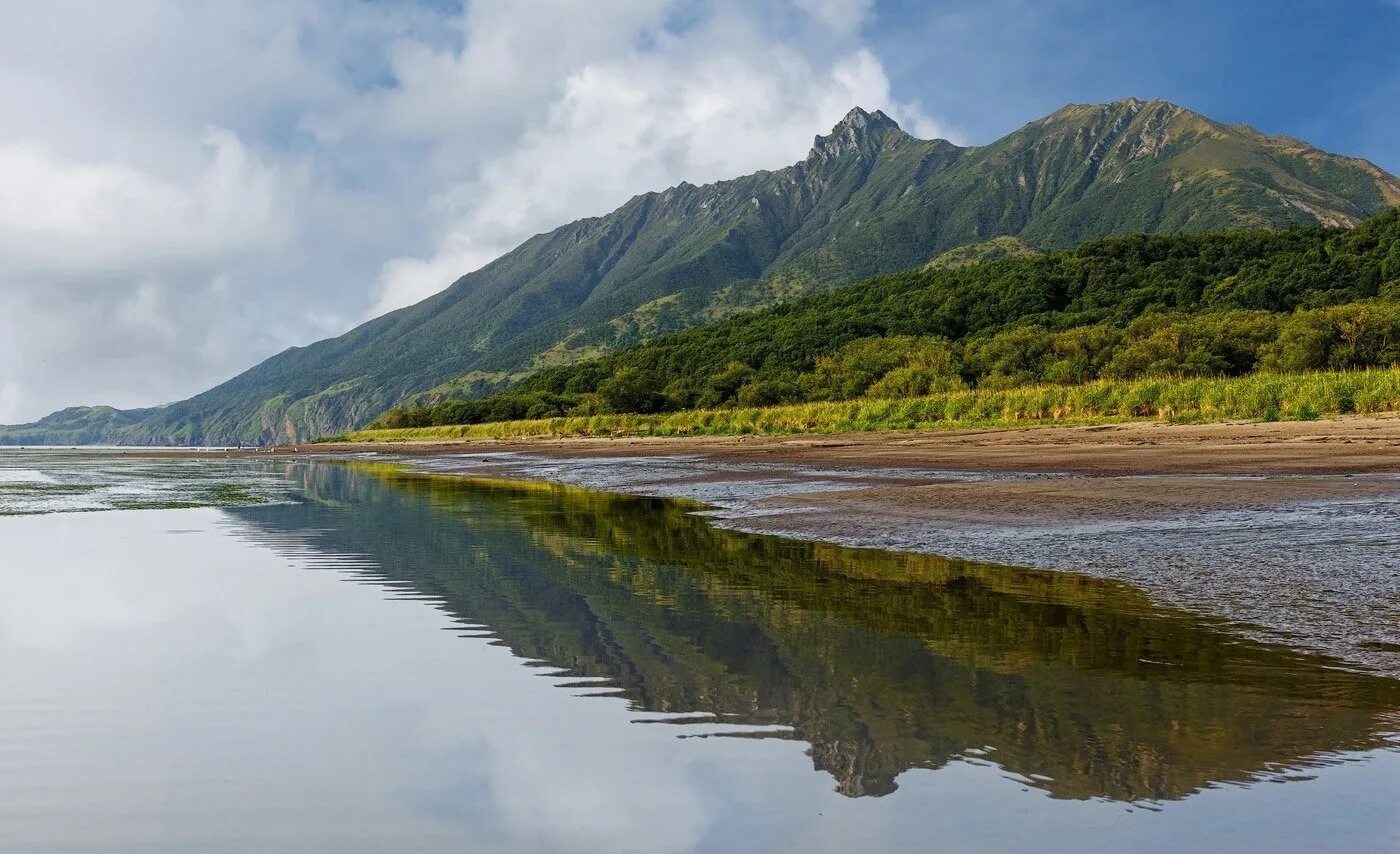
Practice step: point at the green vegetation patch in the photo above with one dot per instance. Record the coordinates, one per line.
(1214, 305)
(1267, 397)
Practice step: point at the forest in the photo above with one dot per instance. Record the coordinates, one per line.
(1220, 304)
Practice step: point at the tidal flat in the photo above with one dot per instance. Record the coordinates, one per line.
(342, 654)
(1289, 530)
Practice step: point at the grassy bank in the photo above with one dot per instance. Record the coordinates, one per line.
(1265, 397)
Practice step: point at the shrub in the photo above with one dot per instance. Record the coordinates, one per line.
(630, 390)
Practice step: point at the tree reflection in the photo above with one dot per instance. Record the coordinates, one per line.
(880, 661)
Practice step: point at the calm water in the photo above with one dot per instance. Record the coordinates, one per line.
(344, 657)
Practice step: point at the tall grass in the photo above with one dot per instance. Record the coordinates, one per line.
(1266, 397)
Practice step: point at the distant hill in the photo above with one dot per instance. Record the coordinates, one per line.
(76, 425)
(868, 199)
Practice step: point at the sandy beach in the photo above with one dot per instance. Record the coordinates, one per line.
(1338, 446)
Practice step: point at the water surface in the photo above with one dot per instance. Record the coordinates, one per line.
(352, 657)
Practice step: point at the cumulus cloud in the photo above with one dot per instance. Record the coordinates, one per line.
(186, 189)
(113, 282)
(70, 217)
(153, 234)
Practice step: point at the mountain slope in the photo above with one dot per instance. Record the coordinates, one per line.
(867, 199)
(1200, 304)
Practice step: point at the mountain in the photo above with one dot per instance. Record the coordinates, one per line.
(868, 199)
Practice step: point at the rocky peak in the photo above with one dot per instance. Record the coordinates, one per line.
(1121, 110)
(858, 131)
(1113, 135)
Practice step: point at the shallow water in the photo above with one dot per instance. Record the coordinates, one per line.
(69, 481)
(356, 657)
(1322, 573)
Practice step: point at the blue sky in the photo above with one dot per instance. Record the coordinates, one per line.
(1327, 71)
(189, 188)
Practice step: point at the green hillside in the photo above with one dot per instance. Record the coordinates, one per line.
(868, 199)
(77, 425)
(1006, 246)
(1223, 303)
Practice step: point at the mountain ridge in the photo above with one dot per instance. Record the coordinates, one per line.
(867, 199)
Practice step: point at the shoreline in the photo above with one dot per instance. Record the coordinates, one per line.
(1288, 529)
(1033, 474)
(1347, 445)
(1344, 445)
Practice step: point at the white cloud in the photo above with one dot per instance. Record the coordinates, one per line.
(188, 188)
(74, 217)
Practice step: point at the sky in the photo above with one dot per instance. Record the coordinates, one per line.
(187, 188)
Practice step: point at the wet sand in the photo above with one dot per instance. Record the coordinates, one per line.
(1041, 501)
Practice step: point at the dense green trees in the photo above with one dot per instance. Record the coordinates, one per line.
(1218, 304)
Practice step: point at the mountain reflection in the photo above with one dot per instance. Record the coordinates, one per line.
(880, 661)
